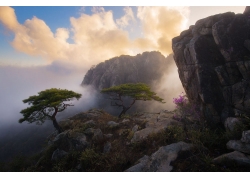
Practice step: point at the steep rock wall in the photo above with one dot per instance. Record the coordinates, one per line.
(213, 60)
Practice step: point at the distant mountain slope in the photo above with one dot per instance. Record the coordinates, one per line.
(146, 67)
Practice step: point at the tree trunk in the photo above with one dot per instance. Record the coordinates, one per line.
(124, 109)
(56, 125)
(53, 118)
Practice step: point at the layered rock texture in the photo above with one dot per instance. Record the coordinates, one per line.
(146, 68)
(241, 154)
(161, 159)
(213, 60)
(154, 123)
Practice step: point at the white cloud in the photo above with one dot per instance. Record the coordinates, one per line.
(97, 9)
(8, 18)
(129, 16)
(96, 37)
(161, 24)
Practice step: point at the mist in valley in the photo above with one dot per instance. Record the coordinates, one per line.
(18, 83)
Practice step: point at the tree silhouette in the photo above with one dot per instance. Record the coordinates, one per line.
(138, 91)
(46, 105)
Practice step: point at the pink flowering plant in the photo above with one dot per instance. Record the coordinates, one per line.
(181, 100)
(184, 108)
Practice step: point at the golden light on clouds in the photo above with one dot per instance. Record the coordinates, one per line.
(96, 37)
(8, 18)
(160, 25)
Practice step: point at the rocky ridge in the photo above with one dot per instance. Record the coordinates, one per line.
(142, 141)
(146, 68)
(86, 129)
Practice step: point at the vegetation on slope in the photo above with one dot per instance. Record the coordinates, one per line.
(209, 143)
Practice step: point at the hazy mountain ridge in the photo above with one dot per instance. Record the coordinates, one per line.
(146, 68)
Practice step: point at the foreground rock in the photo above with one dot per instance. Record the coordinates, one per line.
(91, 115)
(246, 137)
(231, 123)
(213, 60)
(69, 140)
(241, 154)
(242, 145)
(58, 154)
(95, 134)
(239, 146)
(155, 122)
(161, 159)
(112, 124)
(233, 158)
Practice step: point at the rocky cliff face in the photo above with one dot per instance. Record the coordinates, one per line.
(146, 68)
(213, 60)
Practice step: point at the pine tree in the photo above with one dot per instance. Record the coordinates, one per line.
(138, 91)
(46, 105)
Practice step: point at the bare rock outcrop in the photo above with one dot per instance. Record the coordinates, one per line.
(146, 68)
(155, 122)
(213, 60)
(161, 159)
(234, 157)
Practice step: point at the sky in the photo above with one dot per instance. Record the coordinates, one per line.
(47, 34)
(53, 46)
(41, 35)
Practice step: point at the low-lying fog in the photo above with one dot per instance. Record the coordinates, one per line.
(18, 83)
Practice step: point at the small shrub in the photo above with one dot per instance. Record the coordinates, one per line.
(83, 127)
(130, 135)
(239, 128)
(89, 158)
(67, 163)
(185, 109)
(176, 133)
(245, 123)
(125, 116)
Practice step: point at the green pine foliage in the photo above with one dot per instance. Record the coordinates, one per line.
(137, 91)
(47, 104)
